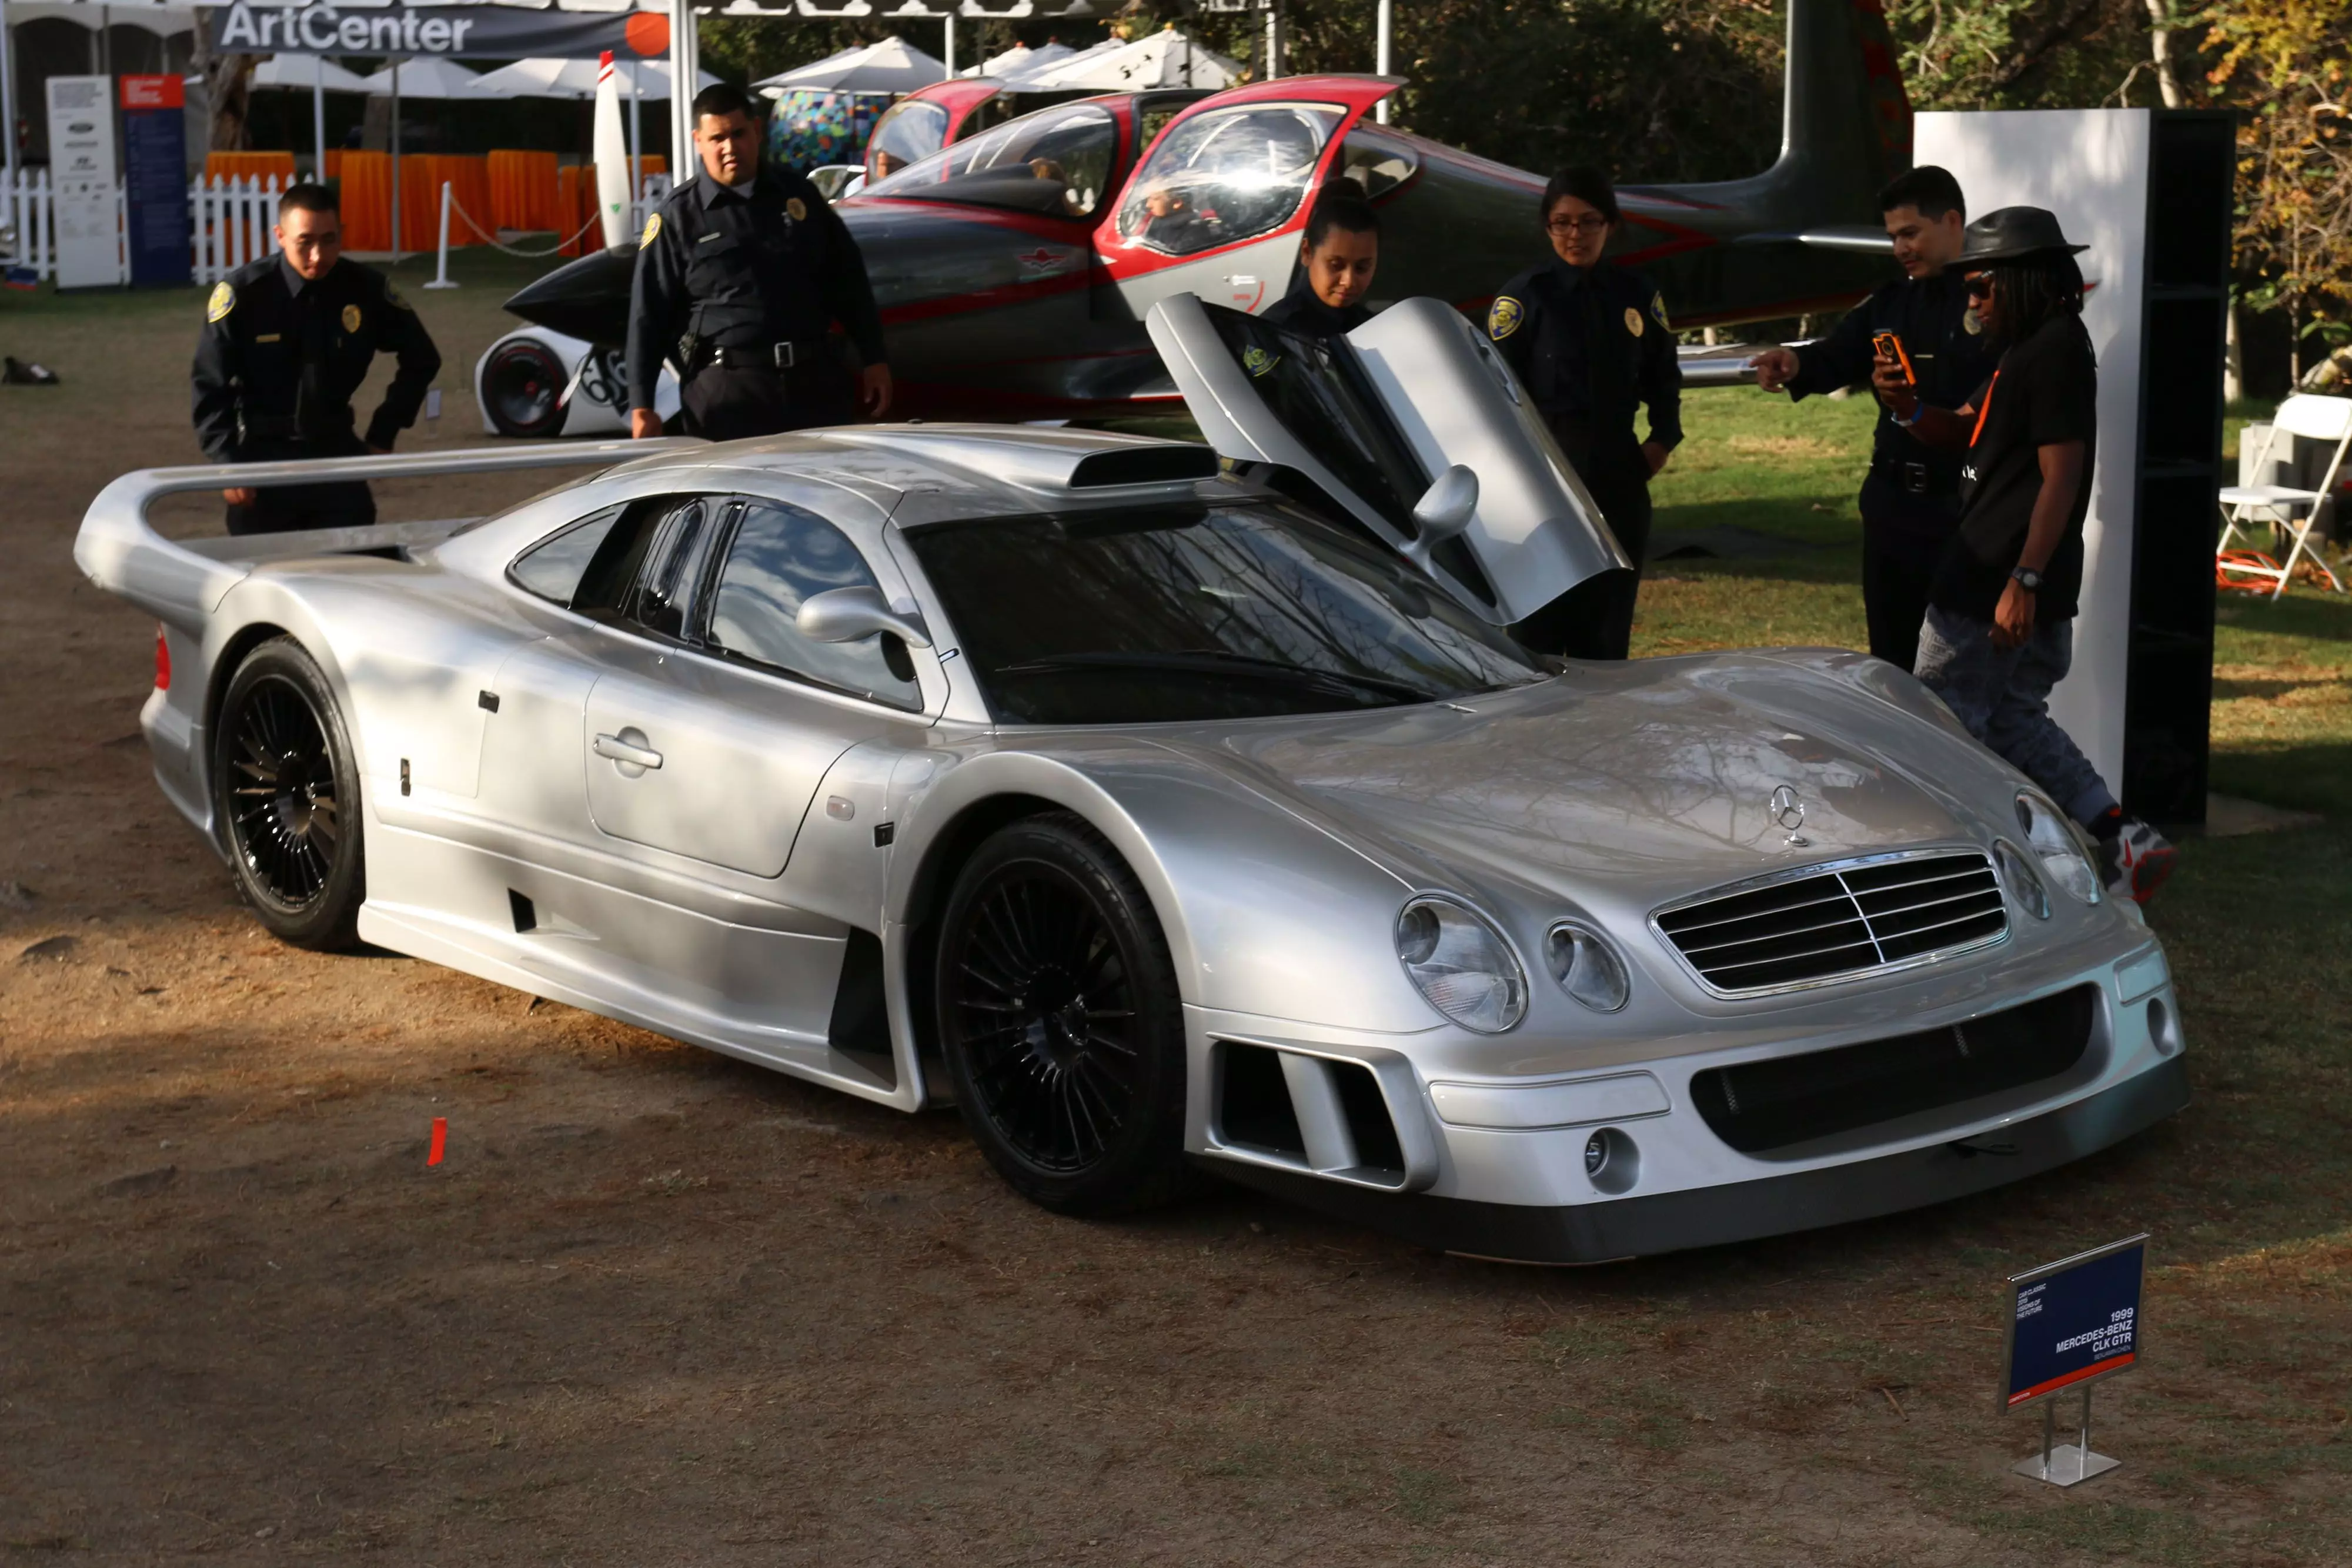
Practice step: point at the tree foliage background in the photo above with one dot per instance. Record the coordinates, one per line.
(1690, 89)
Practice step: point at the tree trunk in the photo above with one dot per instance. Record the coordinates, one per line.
(2160, 51)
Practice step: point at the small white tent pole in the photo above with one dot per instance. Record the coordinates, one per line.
(1380, 56)
(441, 273)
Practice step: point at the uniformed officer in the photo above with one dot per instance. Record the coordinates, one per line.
(1590, 340)
(741, 276)
(1337, 256)
(1910, 498)
(286, 340)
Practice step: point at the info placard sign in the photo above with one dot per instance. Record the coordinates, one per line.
(2074, 1322)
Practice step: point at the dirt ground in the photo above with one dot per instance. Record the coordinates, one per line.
(657, 1307)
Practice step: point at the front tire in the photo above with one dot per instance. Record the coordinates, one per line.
(286, 794)
(1060, 1021)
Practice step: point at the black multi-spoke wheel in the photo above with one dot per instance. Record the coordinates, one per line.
(1060, 1022)
(287, 797)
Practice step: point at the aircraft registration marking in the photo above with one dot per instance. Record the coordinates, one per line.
(1047, 260)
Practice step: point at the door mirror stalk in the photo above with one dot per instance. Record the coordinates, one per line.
(850, 614)
(1443, 511)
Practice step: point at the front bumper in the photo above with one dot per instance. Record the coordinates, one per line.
(1744, 1210)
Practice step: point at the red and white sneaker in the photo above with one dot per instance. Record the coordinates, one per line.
(2136, 861)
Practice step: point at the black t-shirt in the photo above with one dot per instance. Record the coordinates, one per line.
(2044, 391)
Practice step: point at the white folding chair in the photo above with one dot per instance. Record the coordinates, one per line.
(2290, 511)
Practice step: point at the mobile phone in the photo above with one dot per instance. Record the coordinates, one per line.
(1890, 347)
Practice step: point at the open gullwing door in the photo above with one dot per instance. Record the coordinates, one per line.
(1376, 419)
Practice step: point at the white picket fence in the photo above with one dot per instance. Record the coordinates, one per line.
(232, 219)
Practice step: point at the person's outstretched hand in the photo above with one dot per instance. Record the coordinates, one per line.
(1775, 368)
(644, 424)
(874, 391)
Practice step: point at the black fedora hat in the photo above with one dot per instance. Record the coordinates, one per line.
(2013, 233)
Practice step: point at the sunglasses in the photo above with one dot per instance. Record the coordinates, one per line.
(1978, 286)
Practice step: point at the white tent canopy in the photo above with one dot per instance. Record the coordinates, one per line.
(309, 71)
(424, 76)
(1163, 59)
(574, 79)
(1020, 59)
(891, 65)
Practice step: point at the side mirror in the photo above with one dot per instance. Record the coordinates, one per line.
(847, 614)
(1445, 509)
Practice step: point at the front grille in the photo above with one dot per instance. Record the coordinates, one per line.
(1838, 921)
(1759, 1106)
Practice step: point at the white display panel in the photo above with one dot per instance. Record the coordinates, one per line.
(81, 180)
(2091, 168)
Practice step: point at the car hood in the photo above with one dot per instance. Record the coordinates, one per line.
(1646, 780)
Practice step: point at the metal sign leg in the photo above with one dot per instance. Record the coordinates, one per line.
(2066, 1464)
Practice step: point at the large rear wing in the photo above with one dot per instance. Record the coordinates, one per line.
(181, 581)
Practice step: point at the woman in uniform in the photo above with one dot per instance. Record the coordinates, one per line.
(1589, 339)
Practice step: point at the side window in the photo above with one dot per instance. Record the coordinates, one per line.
(909, 131)
(779, 556)
(1377, 162)
(665, 585)
(1230, 174)
(1055, 162)
(554, 567)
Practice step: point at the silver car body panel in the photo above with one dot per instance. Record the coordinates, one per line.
(1276, 853)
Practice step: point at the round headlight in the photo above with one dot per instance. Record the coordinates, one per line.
(2024, 882)
(1587, 966)
(2055, 845)
(1461, 964)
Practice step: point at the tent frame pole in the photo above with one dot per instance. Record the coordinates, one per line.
(396, 161)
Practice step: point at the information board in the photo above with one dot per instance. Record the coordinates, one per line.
(2074, 1320)
(155, 181)
(81, 181)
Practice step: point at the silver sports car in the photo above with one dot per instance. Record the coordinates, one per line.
(1166, 814)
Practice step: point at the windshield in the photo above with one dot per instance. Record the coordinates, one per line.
(1226, 175)
(1193, 612)
(1056, 161)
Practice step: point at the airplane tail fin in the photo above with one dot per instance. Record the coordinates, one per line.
(1845, 120)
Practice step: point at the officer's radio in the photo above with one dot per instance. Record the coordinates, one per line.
(1889, 346)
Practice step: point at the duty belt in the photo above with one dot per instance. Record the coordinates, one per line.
(756, 356)
(1913, 478)
(287, 427)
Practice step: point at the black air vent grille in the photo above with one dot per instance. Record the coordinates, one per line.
(1840, 921)
(1759, 1106)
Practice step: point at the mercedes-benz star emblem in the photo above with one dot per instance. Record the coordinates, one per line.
(1790, 812)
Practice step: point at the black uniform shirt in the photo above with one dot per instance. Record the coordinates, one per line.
(746, 271)
(1301, 311)
(2045, 392)
(1590, 345)
(281, 357)
(1931, 316)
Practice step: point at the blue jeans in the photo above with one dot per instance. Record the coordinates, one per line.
(2003, 696)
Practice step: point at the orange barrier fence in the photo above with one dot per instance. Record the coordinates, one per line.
(522, 191)
(366, 188)
(575, 196)
(246, 165)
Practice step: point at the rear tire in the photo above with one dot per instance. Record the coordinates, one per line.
(522, 389)
(286, 794)
(1060, 1021)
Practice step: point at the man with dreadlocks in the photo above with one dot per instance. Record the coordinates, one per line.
(2001, 612)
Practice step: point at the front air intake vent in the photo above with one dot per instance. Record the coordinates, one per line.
(1837, 922)
(1173, 464)
(1760, 1107)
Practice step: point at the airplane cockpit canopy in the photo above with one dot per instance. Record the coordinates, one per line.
(1226, 175)
(1056, 162)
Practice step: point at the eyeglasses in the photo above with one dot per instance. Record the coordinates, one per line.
(1978, 286)
(1588, 224)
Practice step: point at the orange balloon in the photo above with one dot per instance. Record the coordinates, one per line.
(647, 33)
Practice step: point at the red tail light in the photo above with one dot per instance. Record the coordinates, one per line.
(163, 662)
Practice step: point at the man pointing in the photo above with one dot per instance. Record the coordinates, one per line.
(741, 277)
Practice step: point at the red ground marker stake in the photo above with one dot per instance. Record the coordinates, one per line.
(440, 1141)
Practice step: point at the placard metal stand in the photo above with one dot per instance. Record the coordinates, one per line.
(2066, 1464)
(2071, 1324)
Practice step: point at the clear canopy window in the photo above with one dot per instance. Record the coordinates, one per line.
(1056, 162)
(909, 131)
(1225, 176)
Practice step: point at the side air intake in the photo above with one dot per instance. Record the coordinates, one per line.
(1309, 1112)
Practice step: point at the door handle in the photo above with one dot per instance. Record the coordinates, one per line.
(618, 750)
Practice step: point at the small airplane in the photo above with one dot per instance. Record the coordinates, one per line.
(1015, 266)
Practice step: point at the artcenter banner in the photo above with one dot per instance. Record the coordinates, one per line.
(452, 32)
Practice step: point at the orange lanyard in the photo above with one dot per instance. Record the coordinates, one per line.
(1991, 387)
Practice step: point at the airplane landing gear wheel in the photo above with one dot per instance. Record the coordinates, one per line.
(522, 389)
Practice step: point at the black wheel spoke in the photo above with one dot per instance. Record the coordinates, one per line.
(281, 794)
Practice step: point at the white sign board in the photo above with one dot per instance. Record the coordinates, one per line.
(81, 180)
(2091, 168)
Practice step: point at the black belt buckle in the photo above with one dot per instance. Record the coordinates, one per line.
(783, 354)
(1915, 477)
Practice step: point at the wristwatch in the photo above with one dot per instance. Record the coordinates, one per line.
(2028, 579)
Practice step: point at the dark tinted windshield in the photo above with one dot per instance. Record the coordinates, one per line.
(1198, 612)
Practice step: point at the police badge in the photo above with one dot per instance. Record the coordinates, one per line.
(653, 231)
(350, 317)
(1632, 320)
(796, 210)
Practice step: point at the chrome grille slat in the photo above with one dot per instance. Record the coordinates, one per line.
(1900, 909)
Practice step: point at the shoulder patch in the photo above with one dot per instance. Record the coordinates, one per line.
(1658, 312)
(653, 231)
(223, 301)
(1257, 361)
(394, 297)
(1503, 316)
(350, 317)
(796, 210)
(1632, 320)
